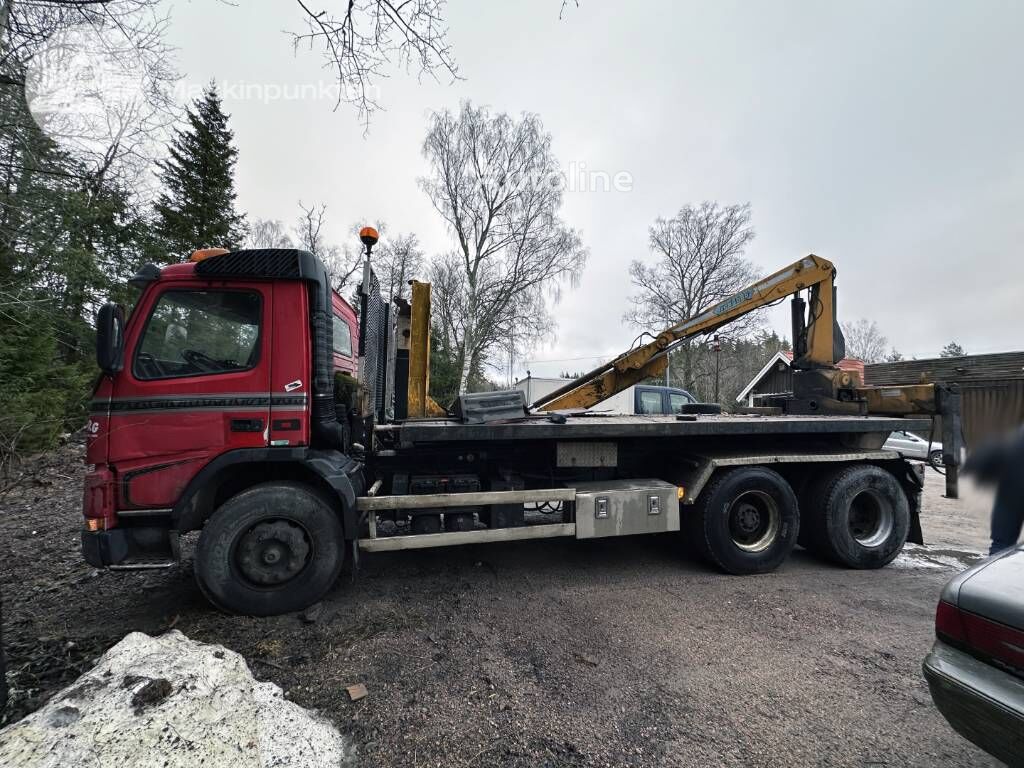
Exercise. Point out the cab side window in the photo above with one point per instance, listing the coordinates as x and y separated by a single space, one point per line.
342 337
650 402
197 333
678 401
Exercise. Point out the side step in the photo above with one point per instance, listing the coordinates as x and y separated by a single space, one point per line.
156 564
455 538
470 499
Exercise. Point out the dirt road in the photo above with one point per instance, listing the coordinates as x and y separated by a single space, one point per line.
557 653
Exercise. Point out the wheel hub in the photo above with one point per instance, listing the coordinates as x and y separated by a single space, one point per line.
271 555
754 521
272 552
871 519
747 518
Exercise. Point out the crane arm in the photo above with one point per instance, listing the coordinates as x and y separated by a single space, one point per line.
815 350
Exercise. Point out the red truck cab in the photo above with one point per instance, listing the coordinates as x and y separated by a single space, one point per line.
222 375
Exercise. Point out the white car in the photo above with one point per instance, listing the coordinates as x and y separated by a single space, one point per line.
910 446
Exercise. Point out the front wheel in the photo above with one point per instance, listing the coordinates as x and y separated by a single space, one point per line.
274 548
935 459
746 520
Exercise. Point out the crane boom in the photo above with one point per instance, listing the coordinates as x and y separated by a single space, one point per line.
814 341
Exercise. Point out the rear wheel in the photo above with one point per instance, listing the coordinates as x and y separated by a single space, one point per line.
746 520
274 548
857 516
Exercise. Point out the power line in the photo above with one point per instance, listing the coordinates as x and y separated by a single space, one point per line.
568 359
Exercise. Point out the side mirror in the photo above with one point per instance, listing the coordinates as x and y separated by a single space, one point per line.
110 338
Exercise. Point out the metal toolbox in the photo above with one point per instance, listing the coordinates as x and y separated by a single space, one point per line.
625 507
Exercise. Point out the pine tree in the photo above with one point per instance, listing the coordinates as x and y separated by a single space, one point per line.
952 350
197 206
69 239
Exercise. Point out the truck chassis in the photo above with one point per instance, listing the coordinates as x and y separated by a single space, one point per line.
592 457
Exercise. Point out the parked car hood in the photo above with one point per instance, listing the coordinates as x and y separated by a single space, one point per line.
994 589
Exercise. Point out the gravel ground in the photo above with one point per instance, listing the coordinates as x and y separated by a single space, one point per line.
553 653
960 524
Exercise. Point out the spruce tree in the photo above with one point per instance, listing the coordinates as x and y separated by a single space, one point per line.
952 350
196 208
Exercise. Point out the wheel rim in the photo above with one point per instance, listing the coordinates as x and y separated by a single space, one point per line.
754 521
273 552
871 519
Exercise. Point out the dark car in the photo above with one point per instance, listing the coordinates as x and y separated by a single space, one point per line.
647 399
975 670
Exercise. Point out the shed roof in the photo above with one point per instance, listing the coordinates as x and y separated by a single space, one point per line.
993 367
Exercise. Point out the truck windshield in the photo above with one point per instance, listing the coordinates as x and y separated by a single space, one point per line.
192 333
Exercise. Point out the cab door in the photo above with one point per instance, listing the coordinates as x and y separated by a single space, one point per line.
195 384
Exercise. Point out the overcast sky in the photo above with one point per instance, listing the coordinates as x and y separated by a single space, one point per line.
887 137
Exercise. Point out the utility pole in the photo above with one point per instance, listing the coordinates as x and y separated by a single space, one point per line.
717 348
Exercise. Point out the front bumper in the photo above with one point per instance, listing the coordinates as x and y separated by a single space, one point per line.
983 703
103 548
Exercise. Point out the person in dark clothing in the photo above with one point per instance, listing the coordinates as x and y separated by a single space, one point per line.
1001 463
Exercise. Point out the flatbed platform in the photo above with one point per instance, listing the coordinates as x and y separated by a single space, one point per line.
637 426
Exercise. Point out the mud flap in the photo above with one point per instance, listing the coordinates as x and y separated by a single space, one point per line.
913 483
103 548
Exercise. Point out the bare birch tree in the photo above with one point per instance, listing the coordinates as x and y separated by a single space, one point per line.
496 182
864 341
97 79
360 40
699 260
343 262
267 233
397 260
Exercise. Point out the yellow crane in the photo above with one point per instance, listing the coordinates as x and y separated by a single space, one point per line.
649 360
819 387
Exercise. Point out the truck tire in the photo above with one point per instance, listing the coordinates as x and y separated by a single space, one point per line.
745 521
857 516
273 548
